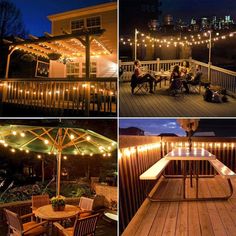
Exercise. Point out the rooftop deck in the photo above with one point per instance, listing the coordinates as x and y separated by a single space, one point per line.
161 104
186 218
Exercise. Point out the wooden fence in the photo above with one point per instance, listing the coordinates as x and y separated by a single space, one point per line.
97 96
138 153
218 76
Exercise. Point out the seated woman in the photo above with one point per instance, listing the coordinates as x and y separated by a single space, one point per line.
139 77
175 78
196 80
185 71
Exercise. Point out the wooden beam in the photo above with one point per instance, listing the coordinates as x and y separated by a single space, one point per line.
61 37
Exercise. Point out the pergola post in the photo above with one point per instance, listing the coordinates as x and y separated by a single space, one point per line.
87 74
8 62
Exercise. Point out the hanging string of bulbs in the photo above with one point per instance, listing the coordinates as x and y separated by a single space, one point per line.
203 38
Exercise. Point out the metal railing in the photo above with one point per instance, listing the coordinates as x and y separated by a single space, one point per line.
218 76
138 153
82 95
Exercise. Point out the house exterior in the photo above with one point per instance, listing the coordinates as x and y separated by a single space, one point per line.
103 16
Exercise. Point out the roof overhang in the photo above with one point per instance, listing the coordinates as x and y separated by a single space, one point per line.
84 11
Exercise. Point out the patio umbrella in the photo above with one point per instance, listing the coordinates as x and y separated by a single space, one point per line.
56 141
190 126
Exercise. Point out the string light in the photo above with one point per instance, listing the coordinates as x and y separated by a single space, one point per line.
186 40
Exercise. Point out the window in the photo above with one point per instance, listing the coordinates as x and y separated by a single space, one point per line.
77 25
94 22
93 70
72 70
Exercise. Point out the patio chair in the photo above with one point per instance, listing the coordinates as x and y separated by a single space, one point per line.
39 200
86 205
17 228
82 227
138 87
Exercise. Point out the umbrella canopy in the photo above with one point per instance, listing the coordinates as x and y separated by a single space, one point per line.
55 140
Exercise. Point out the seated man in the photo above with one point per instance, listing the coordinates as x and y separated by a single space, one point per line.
196 80
139 77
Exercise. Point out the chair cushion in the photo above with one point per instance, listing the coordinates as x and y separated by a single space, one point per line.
35 231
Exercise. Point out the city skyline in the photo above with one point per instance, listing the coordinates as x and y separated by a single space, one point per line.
185 9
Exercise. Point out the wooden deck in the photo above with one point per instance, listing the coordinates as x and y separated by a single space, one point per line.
161 104
186 218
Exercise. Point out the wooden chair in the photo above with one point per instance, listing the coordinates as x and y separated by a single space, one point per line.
82 227
86 205
17 228
39 200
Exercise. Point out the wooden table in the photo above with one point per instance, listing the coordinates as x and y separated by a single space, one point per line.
47 213
193 156
163 75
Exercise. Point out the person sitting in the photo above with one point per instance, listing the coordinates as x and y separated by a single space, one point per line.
175 79
185 71
139 77
196 80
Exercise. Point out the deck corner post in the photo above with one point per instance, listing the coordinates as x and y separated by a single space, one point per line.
209 71
158 64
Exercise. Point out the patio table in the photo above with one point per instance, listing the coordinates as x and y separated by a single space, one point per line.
163 75
193 156
47 213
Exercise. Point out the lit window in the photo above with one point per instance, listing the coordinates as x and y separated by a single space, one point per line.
77 25
93 70
72 70
94 22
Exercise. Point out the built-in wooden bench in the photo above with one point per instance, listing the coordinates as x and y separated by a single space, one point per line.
222 169
155 170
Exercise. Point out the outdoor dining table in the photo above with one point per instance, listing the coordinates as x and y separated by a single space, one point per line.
193 157
47 213
165 75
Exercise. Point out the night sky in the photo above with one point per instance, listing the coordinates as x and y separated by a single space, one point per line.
154 126
186 9
35 12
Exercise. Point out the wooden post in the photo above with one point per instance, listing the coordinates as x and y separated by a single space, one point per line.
158 64
87 65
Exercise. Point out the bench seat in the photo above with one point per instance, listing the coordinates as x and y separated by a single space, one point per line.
222 169
155 170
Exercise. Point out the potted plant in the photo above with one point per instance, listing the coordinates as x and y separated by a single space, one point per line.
58 203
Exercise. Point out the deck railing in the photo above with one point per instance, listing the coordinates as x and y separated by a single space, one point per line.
218 76
81 95
138 153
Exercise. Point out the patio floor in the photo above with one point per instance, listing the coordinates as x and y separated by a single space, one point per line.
161 104
186 218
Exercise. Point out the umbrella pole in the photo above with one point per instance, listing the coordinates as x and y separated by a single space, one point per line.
59 161
58 173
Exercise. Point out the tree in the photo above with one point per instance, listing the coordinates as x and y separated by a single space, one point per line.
11 23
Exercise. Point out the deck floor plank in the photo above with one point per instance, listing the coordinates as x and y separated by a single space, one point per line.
161 104
211 218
